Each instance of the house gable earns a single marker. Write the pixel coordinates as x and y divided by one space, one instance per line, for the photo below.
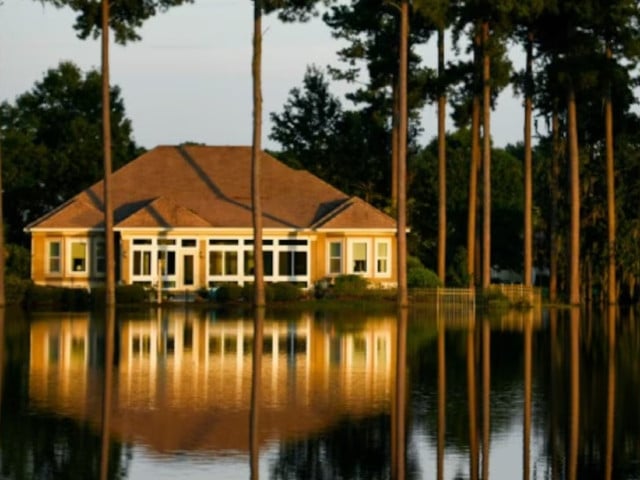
355 214
163 213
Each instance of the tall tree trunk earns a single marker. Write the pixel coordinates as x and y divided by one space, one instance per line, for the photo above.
2 255
109 247
394 146
472 271
442 162
256 154
528 174
612 294
403 298
574 186
554 249
486 157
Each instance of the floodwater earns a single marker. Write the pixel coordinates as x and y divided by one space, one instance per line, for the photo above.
424 394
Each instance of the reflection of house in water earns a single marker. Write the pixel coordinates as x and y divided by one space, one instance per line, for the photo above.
63 352
185 383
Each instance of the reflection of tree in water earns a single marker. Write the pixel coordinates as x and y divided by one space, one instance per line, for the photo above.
354 449
37 445
506 385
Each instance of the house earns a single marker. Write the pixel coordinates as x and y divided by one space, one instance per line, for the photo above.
182 218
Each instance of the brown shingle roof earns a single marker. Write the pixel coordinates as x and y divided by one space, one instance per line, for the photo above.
76 213
163 212
355 213
202 186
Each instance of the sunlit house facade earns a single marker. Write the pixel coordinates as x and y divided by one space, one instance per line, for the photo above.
182 219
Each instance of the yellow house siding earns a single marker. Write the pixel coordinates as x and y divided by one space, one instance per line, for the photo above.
38 258
125 253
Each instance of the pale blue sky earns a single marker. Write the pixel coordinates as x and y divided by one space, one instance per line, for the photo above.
189 78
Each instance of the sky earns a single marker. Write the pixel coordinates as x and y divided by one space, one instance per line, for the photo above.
189 78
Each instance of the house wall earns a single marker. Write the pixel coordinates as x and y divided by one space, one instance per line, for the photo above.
388 277
58 270
143 247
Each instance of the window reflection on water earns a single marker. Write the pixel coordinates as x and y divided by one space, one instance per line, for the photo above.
537 394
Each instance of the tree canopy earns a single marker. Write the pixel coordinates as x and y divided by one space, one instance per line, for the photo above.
125 15
52 139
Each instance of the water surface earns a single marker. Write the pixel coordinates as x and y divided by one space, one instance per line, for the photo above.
429 394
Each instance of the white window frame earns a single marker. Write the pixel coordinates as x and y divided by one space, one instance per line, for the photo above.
377 257
329 257
94 256
152 249
60 257
182 252
166 248
350 257
224 249
69 250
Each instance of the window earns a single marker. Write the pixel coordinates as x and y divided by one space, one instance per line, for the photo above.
141 262
359 257
382 257
248 262
292 242
168 262
292 263
99 257
224 241
267 262
223 263
78 257
335 257
54 253
189 242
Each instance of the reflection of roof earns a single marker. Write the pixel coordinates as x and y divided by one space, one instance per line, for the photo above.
200 186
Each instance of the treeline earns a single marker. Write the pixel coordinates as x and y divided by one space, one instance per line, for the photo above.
566 206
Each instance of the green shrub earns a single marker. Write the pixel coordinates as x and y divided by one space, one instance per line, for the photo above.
39 297
284 292
125 294
229 293
18 261
349 286
419 276
15 289
131 294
